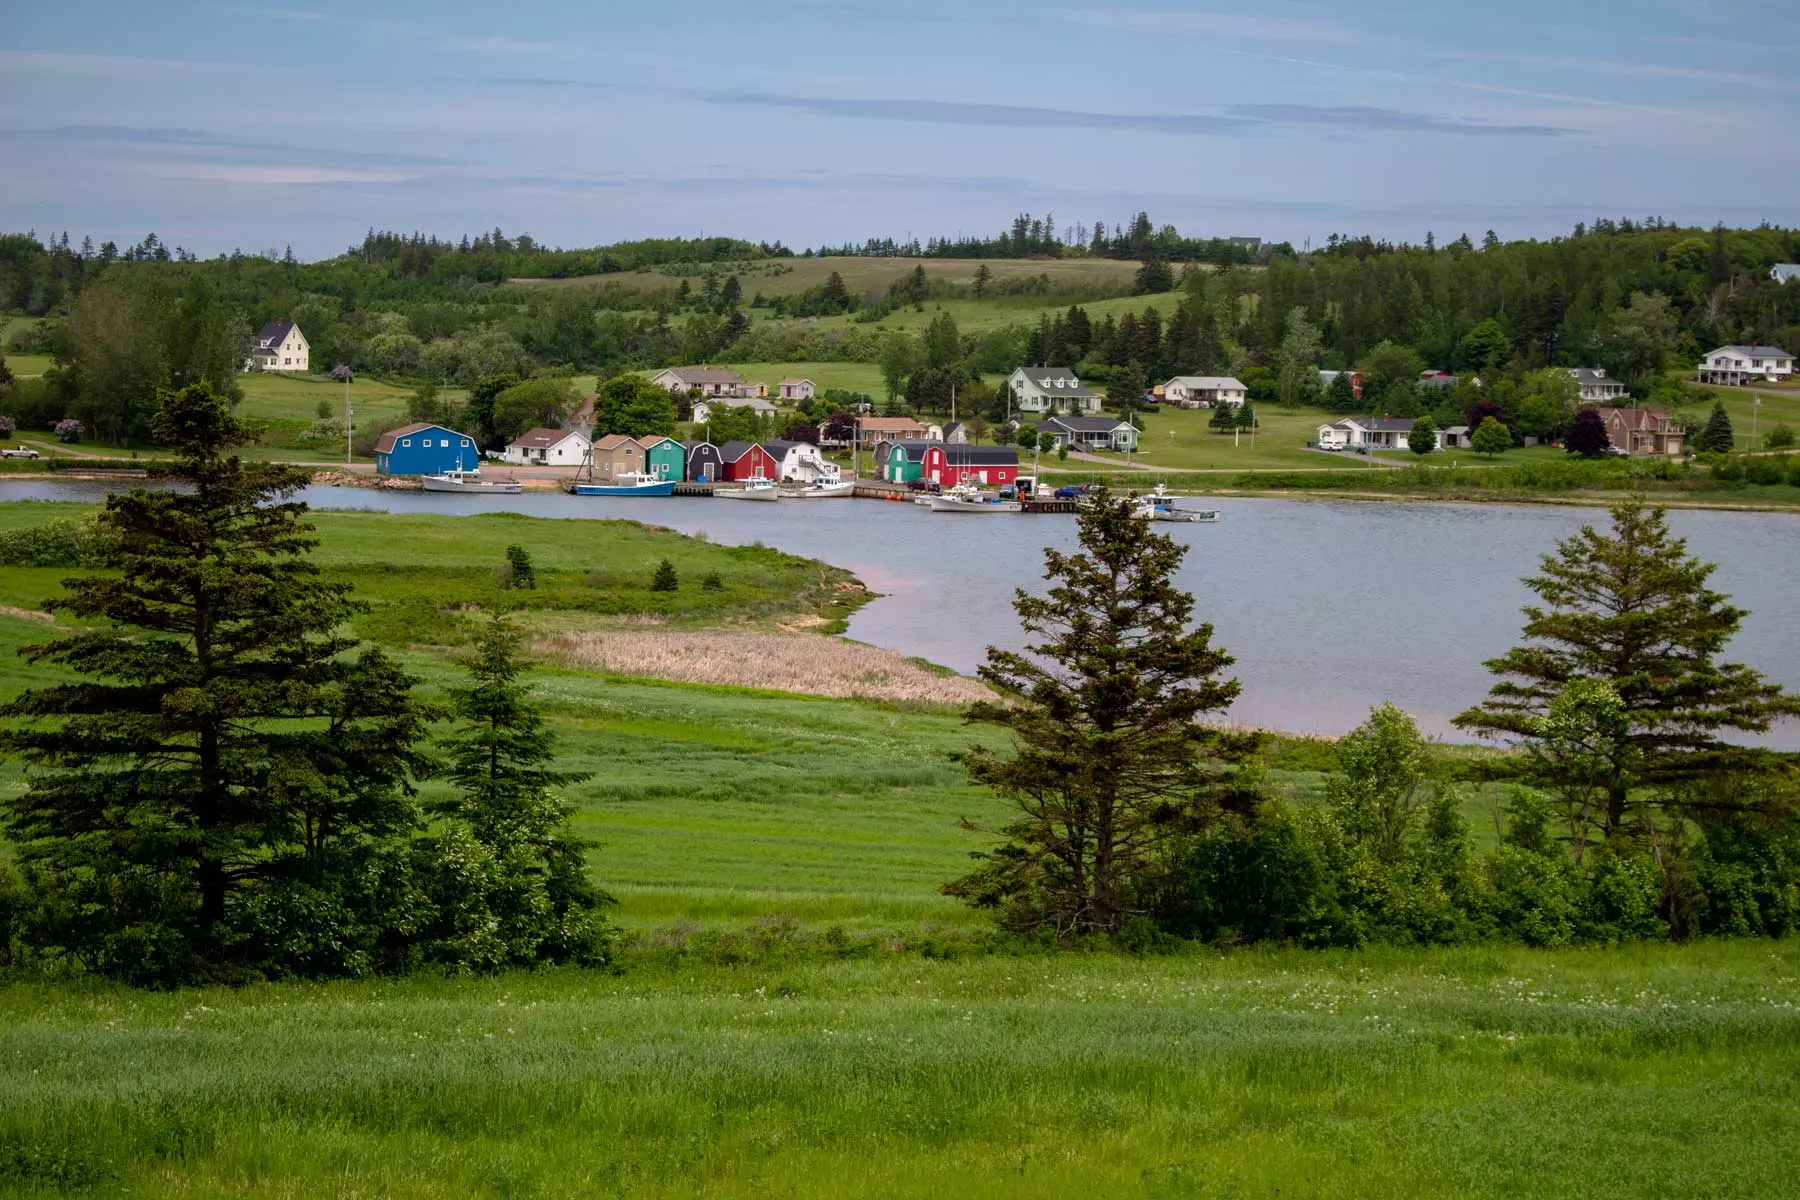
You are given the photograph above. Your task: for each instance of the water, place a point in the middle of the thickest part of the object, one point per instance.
(1329, 607)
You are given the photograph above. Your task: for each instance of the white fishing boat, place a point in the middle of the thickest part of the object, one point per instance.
(628, 484)
(754, 489)
(824, 489)
(974, 504)
(470, 481)
(961, 491)
(1160, 506)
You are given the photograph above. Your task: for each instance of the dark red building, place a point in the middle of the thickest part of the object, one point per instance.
(745, 460)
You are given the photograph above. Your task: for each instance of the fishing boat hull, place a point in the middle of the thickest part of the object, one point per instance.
(1191, 516)
(664, 487)
(956, 504)
(450, 483)
(825, 491)
(769, 493)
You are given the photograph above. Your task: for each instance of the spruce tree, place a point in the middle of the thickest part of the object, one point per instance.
(1341, 395)
(1717, 435)
(1633, 610)
(508, 879)
(223, 769)
(1110, 759)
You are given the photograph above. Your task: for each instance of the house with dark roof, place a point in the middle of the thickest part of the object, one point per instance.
(1091, 433)
(1597, 387)
(1054, 390)
(425, 449)
(950, 464)
(703, 462)
(1734, 365)
(1371, 433)
(545, 447)
(1641, 431)
(740, 461)
(279, 346)
(710, 382)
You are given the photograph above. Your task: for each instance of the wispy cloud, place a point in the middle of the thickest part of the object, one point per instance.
(1235, 120)
(1215, 25)
(1648, 70)
(200, 143)
(120, 66)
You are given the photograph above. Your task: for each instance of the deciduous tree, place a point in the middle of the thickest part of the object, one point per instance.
(1490, 438)
(1586, 434)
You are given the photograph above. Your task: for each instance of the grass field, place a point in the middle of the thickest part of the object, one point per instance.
(26, 365)
(1780, 406)
(790, 276)
(804, 1014)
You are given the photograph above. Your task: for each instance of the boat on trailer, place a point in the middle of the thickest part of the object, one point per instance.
(470, 481)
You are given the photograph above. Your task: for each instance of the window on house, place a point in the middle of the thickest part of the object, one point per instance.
(406, 441)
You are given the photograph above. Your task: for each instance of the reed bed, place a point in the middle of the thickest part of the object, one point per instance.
(806, 664)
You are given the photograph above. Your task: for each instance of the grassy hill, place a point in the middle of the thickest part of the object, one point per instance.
(790, 276)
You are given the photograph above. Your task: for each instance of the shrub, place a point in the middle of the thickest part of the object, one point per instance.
(1727, 469)
(712, 582)
(7, 426)
(60, 543)
(1779, 438)
(519, 573)
(1793, 470)
(1765, 470)
(665, 580)
(68, 430)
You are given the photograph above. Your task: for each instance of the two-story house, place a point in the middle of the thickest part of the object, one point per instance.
(1203, 391)
(1641, 430)
(710, 382)
(1597, 387)
(279, 346)
(1052, 390)
(1746, 364)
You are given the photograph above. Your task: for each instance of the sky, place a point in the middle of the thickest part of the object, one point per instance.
(226, 126)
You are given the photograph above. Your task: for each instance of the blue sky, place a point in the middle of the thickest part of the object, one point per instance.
(223, 125)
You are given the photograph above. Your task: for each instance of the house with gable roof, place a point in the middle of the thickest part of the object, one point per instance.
(544, 447)
(425, 449)
(1203, 391)
(1596, 385)
(1052, 390)
(1641, 431)
(1735, 365)
(279, 346)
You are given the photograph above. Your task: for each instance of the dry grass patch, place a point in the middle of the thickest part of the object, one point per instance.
(789, 662)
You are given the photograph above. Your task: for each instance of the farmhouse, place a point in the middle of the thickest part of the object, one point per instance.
(708, 381)
(796, 389)
(746, 460)
(704, 409)
(1203, 391)
(703, 462)
(1597, 387)
(547, 448)
(1641, 431)
(1091, 433)
(279, 346)
(425, 449)
(1371, 433)
(1746, 364)
(1051, 390)
(800, 461)
(616, 455)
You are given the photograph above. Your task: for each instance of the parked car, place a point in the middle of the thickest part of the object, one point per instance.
(18, 452)
(1073, 491)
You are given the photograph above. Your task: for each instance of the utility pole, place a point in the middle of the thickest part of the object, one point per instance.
(347, 425)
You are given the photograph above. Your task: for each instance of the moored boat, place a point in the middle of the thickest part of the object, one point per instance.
(824, 490)
(973, 504)
(628, 485)
(1160, 506)
(470, 481)
(753, 489)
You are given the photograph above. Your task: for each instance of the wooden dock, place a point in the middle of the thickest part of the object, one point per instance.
(1050, 506)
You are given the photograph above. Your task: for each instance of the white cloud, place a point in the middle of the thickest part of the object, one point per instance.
(1215, 24)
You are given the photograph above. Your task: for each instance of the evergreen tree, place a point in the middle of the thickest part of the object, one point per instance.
(665, 579)
(1111, 759)
(1223, 419)
(519, 571)
(1125, 390)
(1422, 437)
(214, 795)
(1341, 395)
(1153, 276)
(982, 275)
(1634, 611)
(1587, 435)
(1717, 435)
(1245, 417)
(509, 877)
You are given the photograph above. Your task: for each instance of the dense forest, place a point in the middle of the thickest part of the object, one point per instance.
(1637, 298)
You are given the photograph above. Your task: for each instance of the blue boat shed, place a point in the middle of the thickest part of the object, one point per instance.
(425, 449)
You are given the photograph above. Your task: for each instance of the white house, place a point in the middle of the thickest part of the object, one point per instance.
(802, 461)
(1784, 272)
(279, 346)
(796, 389)
(1746, 364)
(1372, 433)
(1091, 433)
(547, 448)
(1203, 391)
(1597, 387)
(1053, 390)
(708, 381)
(704, 409)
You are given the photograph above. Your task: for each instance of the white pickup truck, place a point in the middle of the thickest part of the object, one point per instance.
(18, 452)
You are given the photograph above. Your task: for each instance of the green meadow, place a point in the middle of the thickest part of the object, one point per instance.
(802, 1013)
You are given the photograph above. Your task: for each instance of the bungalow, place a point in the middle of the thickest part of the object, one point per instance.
(704, 409)
(1641, 431)
(1596, 385)
(425, 449)
(1370, 433)
(711, 382)
(800, 461)
(1203, 391)
(1053, 390)
(1746, 364)
(616, 455)
(1091, 433)
(796, 389)
(664, 457)
(746, 460)
(703, 463)
(547, 448)
(279, 346)
(947, 466)
(894, 429)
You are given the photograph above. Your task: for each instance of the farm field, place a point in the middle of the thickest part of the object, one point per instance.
(1180, 439)
(983, 316)
(790, 276)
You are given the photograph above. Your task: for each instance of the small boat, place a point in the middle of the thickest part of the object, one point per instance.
(823, 490)
(961, 491)
(470, 481)
(974, 504)
(628, 484)
(1160, 506)
(754, 489)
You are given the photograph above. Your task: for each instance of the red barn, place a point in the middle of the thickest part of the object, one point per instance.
(949, 465)
(746, 460)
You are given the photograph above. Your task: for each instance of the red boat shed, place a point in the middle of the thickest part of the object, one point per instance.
(746, 460)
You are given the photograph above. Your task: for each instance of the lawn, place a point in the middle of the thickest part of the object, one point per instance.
(1180, 438)
(790, 276)
(23, 365)
(1780, 406)
(982, 316)
(857, 377)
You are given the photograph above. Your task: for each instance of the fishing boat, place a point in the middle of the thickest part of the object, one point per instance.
(974, 504)
(824, 489)
(470, 481)
(754, 489)
(1160, 506)
(961, 491)
(627, 484)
